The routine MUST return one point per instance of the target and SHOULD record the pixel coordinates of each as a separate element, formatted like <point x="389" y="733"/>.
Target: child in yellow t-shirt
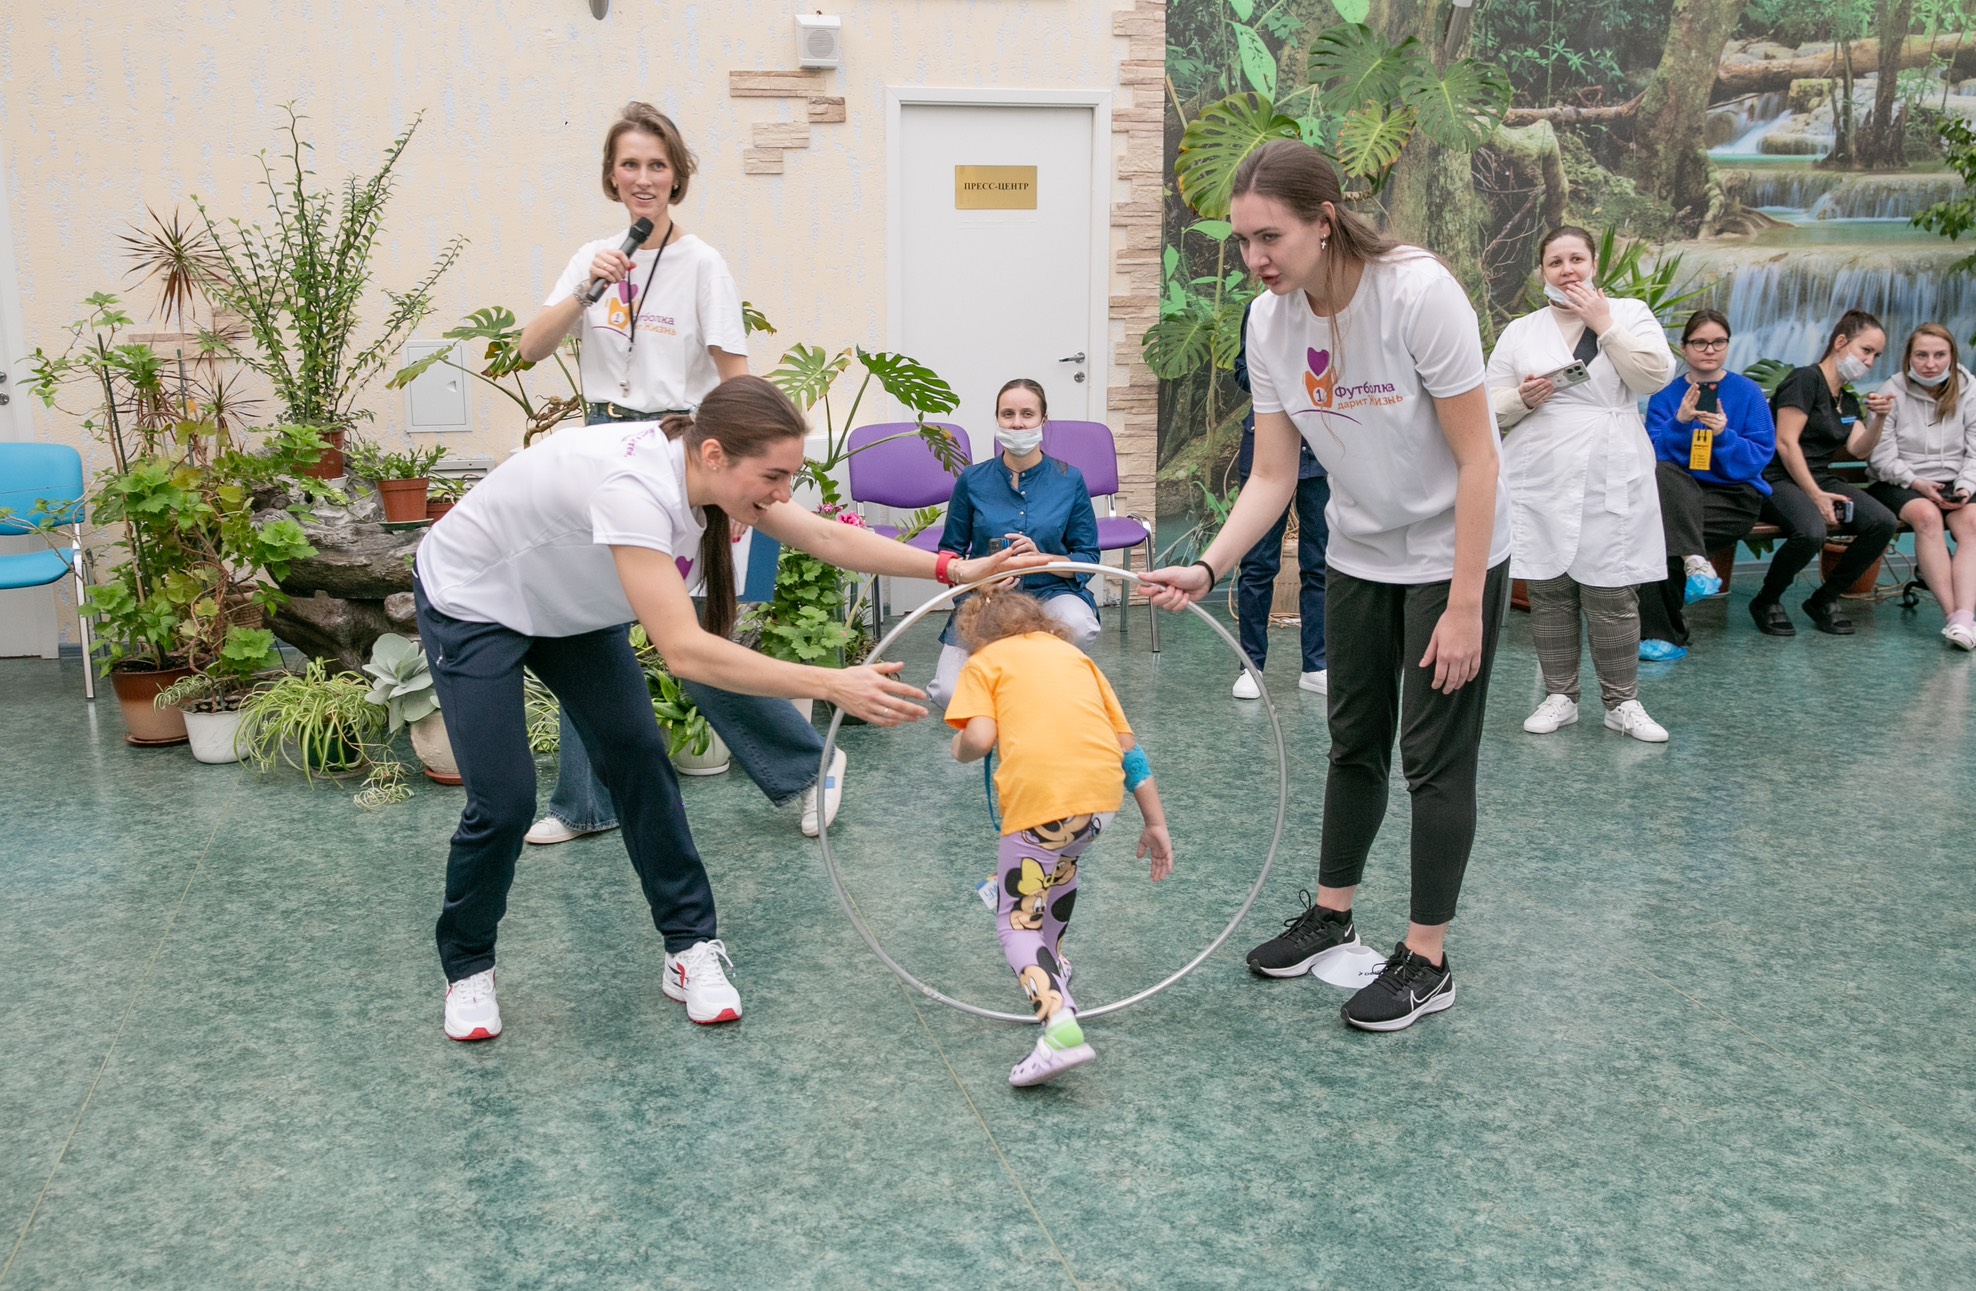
<point x="1067" y="756"/>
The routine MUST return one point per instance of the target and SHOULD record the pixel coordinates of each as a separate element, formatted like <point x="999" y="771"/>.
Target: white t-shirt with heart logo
<point x="1364" y="402"/>
<point x="692" y="304"/>
<point x="529" y="547"/>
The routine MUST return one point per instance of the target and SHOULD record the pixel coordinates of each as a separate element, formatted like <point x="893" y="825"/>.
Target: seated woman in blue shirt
<point x="1031" y="503"/>
<point x="1710" y="472"/>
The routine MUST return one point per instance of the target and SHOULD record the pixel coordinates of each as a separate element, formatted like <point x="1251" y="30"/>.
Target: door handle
<point x="1073" y="358"/>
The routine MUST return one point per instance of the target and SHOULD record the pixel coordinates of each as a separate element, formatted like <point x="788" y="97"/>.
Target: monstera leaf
<point x="1370" y="139"/>
<point x="911" y="382"/>
<point x="806" y="373"/>
<point x="497" y="326"/>
<point x="1178" y="347"/>
<point x="1225" y="341"/>
<point x="1258" y="64"/>
<point x="1462" y="106"/>
<point x="1218" y="141"/>
<point x="1351" y="66"/>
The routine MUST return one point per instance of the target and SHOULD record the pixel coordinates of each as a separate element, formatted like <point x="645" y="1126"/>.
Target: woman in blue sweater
<point x="1713" y="435"/>
<point x="1028" y="502"/>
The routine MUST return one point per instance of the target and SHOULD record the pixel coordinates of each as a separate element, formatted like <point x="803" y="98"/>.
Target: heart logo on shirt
<point x="685" y="566"/>
<point x="1319" y="381"/>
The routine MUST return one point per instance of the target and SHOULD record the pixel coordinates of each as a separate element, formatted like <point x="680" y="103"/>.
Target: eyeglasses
<point x="1722" y="344"/>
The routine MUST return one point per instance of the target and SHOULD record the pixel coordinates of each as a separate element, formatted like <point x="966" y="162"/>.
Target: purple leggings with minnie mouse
<point x="1037" y="885"/>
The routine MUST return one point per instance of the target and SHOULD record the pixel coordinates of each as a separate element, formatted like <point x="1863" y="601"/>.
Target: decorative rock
<point x="402" y="610"/>
<point x="333" y="628"/>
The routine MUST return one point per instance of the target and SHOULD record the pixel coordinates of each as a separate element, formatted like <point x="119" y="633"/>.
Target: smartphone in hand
<point x="1708" y="397"/>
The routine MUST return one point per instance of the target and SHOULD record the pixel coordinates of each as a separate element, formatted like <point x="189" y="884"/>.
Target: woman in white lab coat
<point x="1584" y="508"/>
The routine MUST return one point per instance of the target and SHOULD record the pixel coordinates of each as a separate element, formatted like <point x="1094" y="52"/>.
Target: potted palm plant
<point x="402" y="686"/>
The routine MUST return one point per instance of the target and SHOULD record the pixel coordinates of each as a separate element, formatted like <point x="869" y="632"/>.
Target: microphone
<point x="632" y="241"/>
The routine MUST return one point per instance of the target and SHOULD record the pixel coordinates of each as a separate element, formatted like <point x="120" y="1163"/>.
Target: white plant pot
<point x="212" y="736"/>
<point x="435" y="749"/>
<point x="714" y="761"/>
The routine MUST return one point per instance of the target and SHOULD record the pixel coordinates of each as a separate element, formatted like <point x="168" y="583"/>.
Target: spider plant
<point x="319" y="723"/>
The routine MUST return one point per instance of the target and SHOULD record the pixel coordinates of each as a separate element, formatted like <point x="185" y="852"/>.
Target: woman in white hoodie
<point x="1923" y="465"/>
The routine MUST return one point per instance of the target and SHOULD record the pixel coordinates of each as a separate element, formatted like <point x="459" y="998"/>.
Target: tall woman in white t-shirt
<point x="1369" y="351"/>
<point x="1584" y="496"/>
<point x="540" y="567"/>
<point x="666" y="331"/>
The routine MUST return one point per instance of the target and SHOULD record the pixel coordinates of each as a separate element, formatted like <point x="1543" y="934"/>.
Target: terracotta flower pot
<point x="330" y="465"/>
<point x="436" y="507"/>
<point x="148" y="725"/>
<point x="404" y="500"/>
<point x="1828" y="560"/>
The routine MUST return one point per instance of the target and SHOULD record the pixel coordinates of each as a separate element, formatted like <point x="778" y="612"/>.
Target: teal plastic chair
<point x="42" y="483"/>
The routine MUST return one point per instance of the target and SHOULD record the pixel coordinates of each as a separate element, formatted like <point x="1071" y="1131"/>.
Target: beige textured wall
<point x="106" y="108"/>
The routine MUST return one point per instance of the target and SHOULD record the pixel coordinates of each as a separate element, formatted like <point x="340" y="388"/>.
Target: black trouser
<point x="1379" y="631"/>
<point x="1698" y="520"/>
<point x="1805" y="532"/>
<point x="477" y="672"/>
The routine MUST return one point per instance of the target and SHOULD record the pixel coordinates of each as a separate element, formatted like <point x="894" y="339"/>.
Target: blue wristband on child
<point x="1137" y="769"/>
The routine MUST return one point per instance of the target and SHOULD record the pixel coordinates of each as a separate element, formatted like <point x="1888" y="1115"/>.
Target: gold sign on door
<point x="994" y="188"/>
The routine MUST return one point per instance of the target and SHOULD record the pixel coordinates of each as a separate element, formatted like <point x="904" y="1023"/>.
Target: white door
<point x="27" y="615"/>
<point x="985" y="295"/>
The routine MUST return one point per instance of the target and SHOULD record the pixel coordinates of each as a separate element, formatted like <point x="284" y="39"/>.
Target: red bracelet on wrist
<point x="941" y="564"/>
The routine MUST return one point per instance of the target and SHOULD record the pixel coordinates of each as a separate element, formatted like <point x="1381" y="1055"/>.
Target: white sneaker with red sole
<point x="694" y="978"/>
<point x="471" y="1010"/>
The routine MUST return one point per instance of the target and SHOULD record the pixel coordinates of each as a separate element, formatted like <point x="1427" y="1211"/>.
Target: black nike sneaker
<point x="1406" y="990"/>
<point x="1303" y="939"/>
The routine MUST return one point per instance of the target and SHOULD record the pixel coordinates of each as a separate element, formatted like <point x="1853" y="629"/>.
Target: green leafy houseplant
<point x="319" y="723"/>
<point x="504" y="370"/>
<point x="371" y="461"/>
<point x="401" y="681"/>
<point x="807" y="375"/>
<point x="299" y="283"/>
<point x="685" y="726"/>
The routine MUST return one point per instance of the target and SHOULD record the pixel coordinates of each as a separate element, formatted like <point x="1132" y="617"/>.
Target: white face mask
<point x="1927" y="383"/>
<point x="1852" y="368"/>
<point x="1019" y="441"/>
<point x="1557" y="296"/>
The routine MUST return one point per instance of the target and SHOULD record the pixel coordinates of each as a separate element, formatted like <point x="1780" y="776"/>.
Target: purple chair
<point x="1088" y="446"/>
<point x="891" y="466"/>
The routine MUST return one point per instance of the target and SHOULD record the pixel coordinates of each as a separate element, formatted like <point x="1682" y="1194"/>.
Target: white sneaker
<point x="1319" y="681"/>
<point x="693" y="977"/>
<point x="1245" y="687"/>
<point x="1631" y="719"/>
<point x="471" y="1010"/>
<point x="548" y="831"/>
<point x="1960" y="634"/>
<point x="833" y="796"/>
<point x="1061" y="1048"/>
<point x="1555" y="711"/>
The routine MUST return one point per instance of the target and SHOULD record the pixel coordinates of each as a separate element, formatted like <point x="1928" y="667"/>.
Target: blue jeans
<point x="768" y="737"/>
<point x="1257" y="577"/>
<point x="477" y="672"/>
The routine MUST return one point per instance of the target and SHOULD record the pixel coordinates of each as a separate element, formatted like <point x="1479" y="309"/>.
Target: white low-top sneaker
<point x="1060" y="1048"/>
<point x="1631" y="719"/>
<point x="1555" y="711"/>
<point x="1319" y="681"/>
<point x="694" y="978"/>
<point x="833" y="797"/>
<point x="471" y="1010"/>
<point x="1245" y="687"/>
<point x="549" y="831"/>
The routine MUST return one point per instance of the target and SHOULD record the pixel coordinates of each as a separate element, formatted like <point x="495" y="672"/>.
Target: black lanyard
<point x="644" y="292"/>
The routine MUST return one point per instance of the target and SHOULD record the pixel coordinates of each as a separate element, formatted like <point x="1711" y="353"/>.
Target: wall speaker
<point x="819" y="41"/>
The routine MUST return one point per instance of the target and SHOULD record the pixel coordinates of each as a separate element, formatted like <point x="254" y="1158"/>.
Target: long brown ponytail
<point x="745" y="415"/>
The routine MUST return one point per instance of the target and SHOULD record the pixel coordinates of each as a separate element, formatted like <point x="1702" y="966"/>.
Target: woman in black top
<point x="1817" y="415"/>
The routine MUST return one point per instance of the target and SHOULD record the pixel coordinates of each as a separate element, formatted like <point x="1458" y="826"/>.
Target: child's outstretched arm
<point x="974" y="741"/>
<point x="1153" y="838"/>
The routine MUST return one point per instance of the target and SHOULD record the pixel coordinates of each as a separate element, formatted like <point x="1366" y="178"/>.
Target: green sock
<point x="1064" y="1033"/>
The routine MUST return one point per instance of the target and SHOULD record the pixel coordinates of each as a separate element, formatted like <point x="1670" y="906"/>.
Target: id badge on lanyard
<point x="1701" y="449"/>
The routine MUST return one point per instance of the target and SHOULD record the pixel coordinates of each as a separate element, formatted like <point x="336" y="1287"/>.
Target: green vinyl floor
<point x="1714" y="1025"/>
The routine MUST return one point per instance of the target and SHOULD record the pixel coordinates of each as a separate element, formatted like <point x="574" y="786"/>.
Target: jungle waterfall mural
<point x="1767" y="157"/>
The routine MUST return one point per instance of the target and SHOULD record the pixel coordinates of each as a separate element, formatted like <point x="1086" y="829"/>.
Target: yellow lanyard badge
<point x="1701" y="448"/>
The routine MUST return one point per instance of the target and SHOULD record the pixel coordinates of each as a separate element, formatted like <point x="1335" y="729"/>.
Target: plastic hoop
<point x="1269" y="858"/>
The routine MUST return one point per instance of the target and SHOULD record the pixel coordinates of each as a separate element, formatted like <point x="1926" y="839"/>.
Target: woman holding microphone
<point x="666" y="330"/>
